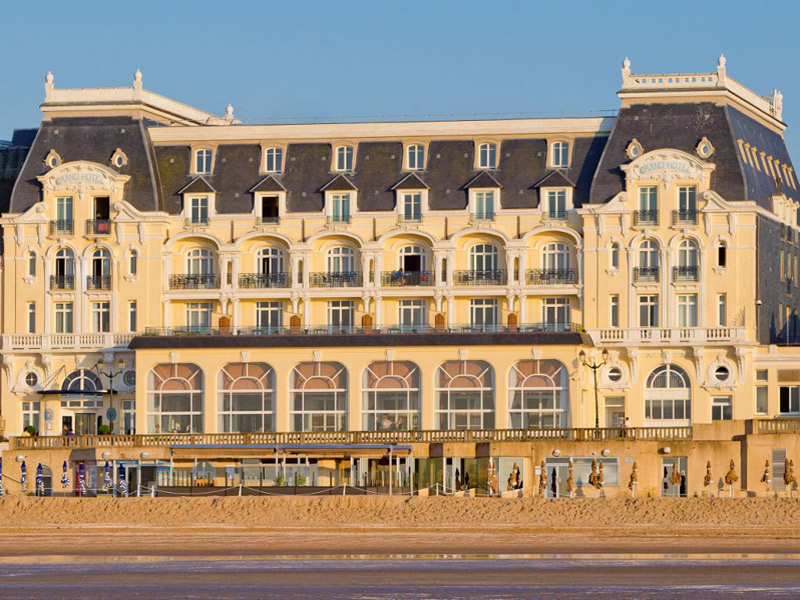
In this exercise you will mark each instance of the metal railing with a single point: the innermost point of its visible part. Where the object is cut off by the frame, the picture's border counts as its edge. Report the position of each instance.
(62, 227)
(686, 273)
(482, 216)
(551, 276)
(350, 437)
(264, 220)
(62, 282)
(555, 215)
(98, 282)
(684, 217)
(263, 280)
(406, 278)
(194, 282)
(645, 217)
(335, 279)
(646, 274)
(496, 277)
(98, 227)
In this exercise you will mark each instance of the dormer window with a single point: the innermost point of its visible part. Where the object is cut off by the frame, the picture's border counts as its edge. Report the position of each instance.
(559, 155)
(273, 160)
(487, 156)
(344, 158)
(202, 161)
(556, 205)
(198, 210)
(340, 208)
(415, 157)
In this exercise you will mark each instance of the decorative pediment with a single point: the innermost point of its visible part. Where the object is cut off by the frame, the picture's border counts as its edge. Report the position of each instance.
(554, 179)
(340, 183)
(198, 185)
(268, 184)
(412, 181)
(81, 178)
(666, 166)
(483, 180)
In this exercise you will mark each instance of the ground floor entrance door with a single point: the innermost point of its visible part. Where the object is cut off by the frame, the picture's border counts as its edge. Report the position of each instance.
(673, 481)
(557, 475)
(615, 411)
(86, 423)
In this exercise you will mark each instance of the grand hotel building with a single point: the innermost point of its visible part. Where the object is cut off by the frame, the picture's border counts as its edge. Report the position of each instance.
(304, 300)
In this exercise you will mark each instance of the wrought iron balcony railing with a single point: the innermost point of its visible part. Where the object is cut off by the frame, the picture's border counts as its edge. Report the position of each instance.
(98, 282)
(645, 217)
(551, 276)
(265, 220)
(646, 274)
(688, 273)
(194, 282)
(335, 279)
(263, 280)
(62, 282)
(495, 277)
(684, 217)
(62, 227)
(98, 227)
(555, 215)
(406, 278)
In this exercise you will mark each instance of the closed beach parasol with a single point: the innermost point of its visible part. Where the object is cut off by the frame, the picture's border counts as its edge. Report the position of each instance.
(107, 483)
(571, 479)
(23, 480)
(593, 477)
(64, 476)
(40, 480)
(123, 485)
(708, 479)
(1, 478)
(543, 479)
(788, 475)
(675, 477)
(601, 479)
(765, 478)
(731, 477)
(81, 480)
(634, 480)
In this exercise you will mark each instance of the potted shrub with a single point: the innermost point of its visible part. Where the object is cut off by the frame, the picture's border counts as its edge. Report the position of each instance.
(281, 481)
(104, 430)
(31, 430)
(300, 480)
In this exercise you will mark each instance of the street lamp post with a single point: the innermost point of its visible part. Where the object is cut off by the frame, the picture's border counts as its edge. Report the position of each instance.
(111, 375)
(594, 366)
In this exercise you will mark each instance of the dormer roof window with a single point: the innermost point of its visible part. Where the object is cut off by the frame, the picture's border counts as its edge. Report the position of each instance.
(487, 155)
(344, 159)
(202, 161)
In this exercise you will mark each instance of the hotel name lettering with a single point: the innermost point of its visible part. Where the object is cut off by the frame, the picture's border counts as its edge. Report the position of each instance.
(81, 177)
(678, 166)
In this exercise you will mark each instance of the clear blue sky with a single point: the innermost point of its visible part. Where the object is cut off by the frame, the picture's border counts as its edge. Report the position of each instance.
(324, 60)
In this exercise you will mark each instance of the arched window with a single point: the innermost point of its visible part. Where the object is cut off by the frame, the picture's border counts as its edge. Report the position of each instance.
(82, 380)
(175, 399)
(465, 395)
(560, 154)
(483, 257)
(344, 158)
(31, 264)
(722, 254)
(613, 259)
(64, 273)
(200, 261)
(687, 254)
(246, 398)
(273, 160)
(133, 262)
(648, 255)
(487, 156)
(412, 259)
(555, 257)
(341, 259)
(391, 396)
(416, 157)
(539, 395)
(202, 161)
(101, 263)
(667, 396)
(269, 261)
(319, 397)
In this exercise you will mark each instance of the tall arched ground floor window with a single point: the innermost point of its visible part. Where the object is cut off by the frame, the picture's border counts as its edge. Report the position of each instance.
(667, 397)
(538, 395)
(175, 399)
(391, 396)
(465, 395)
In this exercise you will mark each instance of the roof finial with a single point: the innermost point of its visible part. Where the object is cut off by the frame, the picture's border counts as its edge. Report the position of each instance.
(722, 60)
(137, 77)
(626, 64)
(626, 71)
(48, 85)
(229, 113)
(722, 71)
(49, 78)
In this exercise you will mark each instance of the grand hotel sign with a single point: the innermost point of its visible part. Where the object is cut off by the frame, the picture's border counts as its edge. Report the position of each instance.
(82, 179)
(666, 166)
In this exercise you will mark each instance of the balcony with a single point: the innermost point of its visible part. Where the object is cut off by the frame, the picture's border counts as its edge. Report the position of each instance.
(555, 215)
(336, 279)
(98, 227)
(663, 335)
(194, 282)
(263, 280)
(62, 282)
(65, 341)
(479, 277)
(645, 218)
(407, 278)
(551, 276)
(481, 217)
(98, 282)
(62, 227)
(682, 218)
(689, 273)
(646, 274)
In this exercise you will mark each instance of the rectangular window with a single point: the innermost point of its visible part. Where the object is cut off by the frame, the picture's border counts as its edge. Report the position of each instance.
(487, 156)
(790, 399)
(133, 264)
(722, 408)
(484, 206)
(412, 207)
(64, 209)
(648, 311)
(722, 310)
(31, 264)
(556, 313)
(273, 159)
(648, 199)
(30, 414)
(101, 317)
(761, 375)
(132, 316)
(412, 314)
(762, 395)
(199, 210)
(344, 158)
(340, 208)
(687, 199)
(198, 316)
(63, 317)
(202, 162)
(557, 204)
(416, 157)
(614, 311)
(269, 316)
(561, 154)
(722, 255)
(341, 315)
(31, 317)
(687, 310)
(484, 313)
